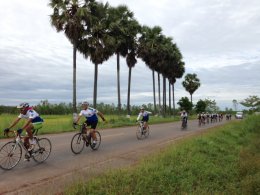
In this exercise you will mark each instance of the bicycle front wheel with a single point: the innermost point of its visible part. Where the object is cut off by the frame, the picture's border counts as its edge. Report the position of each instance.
(139, 132)
(42, 150)
(10, 155)
(146, 132)
(95, 146)
(77, 143)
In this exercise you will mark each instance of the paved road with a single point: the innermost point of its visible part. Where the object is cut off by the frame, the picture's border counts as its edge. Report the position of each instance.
(119, 148)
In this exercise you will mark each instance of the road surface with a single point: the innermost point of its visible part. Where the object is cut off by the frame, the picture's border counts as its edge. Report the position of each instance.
(119, 148)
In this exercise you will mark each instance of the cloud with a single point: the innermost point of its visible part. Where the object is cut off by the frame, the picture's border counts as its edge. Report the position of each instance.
(219, 41)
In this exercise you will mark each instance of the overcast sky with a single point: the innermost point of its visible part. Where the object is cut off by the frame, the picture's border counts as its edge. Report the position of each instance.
(219, 40)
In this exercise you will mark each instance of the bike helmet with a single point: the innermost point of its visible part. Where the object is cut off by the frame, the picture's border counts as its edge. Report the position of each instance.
(23, 105)
(85, 103)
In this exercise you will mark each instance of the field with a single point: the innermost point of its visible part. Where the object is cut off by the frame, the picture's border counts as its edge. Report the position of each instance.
(226, 160)
(63, 123)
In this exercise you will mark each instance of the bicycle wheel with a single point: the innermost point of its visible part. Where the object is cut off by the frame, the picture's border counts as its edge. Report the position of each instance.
(146, 132)
(42, 150)
(10, 155)
(98, 141)
(77, 143)
(139, 133)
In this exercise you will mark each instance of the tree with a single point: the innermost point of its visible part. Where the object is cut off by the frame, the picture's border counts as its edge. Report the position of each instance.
(133, 30)
(191, 84)
(185, 104)
(235, 104)
(200, 106)
(253, 102)
(120, 18)
(211, 105)
(96, 42)
(148, 48)
(67, 16)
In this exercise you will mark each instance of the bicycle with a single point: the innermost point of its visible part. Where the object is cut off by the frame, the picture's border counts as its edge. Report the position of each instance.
(184, 123)
(79, 140)
(11, 152)
(142, 133)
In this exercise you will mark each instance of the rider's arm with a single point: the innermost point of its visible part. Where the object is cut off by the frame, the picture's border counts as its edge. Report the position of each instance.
(138, 117)
(101, 115)
(14, 123)
(27, 124)
(78, 119)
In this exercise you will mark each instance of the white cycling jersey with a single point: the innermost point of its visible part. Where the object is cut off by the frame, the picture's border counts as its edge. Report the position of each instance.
(90, 114)
(30, 114)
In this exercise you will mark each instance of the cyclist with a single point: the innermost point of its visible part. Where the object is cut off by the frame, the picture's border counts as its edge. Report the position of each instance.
(34, 121)
(145, 117)
(91, 119)
(184, 118)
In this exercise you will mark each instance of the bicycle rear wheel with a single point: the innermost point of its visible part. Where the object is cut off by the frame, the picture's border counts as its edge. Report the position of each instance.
(42, 150)
(77, 143)
(98, 141)
(10, 155)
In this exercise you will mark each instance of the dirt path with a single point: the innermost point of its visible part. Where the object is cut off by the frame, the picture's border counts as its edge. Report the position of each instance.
(119, 148)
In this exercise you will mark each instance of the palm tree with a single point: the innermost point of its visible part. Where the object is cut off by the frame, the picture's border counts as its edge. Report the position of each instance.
(147, 50)
(67, 16)
(131, 61)
(191, 83)
(96, 41)
(120, 18)
(133, 29)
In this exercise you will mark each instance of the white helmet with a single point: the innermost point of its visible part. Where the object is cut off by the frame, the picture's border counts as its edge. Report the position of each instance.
(23, 105)
(85, 103)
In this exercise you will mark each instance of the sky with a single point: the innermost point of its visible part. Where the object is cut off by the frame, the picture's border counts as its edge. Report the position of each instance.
(219, 40)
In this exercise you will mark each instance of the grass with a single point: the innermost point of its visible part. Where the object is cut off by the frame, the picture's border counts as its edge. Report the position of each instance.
(63, 123)
(225, 160)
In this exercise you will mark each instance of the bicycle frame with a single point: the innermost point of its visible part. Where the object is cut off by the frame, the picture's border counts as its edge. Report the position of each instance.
(141, 133)
(78, 141)
(14, 149)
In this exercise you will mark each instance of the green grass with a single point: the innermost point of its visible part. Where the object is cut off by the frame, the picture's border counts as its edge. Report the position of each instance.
(63, 123)
(225, 160)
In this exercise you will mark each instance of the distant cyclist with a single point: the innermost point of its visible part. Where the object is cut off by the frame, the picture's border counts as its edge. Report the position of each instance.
(91, 119)
(144, 116)
(184, 118)
(34, 121)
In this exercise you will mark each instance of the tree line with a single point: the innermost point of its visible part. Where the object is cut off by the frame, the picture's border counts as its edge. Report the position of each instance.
(47, 108)
(98, 31)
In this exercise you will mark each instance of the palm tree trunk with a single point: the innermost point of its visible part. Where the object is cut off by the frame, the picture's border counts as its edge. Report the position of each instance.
(118, 83)
(191, 99)
(128, 92)
(164, 96)
(170, 106)
(95, 86)
(74, 104)
(159, 92)
(154, 98)
(173, 100)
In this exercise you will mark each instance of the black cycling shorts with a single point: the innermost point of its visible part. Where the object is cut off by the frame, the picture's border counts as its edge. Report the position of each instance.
(92, 125)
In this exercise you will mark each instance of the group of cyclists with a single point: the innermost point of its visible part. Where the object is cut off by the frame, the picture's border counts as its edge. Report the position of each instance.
(34, 121)
(206, 118)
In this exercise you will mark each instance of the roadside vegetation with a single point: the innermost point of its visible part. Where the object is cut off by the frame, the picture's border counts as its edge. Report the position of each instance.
(63, 123)
(225, 160)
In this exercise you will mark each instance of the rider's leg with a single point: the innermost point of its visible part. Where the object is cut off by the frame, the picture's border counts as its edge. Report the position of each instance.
(92, 131)
(93, 134)
(145, 125)
(29, 138)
